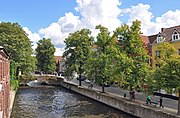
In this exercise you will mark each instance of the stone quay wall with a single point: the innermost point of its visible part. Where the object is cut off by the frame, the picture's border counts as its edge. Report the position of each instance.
(114, 101)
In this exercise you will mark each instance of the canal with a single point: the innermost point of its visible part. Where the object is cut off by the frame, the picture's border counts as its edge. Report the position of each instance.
(57, 102)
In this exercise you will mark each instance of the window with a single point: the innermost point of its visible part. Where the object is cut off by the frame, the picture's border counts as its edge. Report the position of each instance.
(175, 36)
(157, 54)
(159, 38)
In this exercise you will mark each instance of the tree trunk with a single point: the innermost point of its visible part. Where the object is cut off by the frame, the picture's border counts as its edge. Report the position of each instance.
(80, 73)
(103, 88)
(79, 82)
(80, 78)
(179, 103)
(130, 92)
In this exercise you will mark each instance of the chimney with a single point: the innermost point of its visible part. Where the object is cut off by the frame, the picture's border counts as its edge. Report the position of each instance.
(162, 29)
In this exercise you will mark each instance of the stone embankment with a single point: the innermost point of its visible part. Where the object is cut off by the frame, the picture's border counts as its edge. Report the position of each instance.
(115, 101)
(118, 102)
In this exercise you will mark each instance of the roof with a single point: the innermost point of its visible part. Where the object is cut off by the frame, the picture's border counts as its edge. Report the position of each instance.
(147, 43)
(58, 58)
(152, 38)
(3, 49)
(165, 33)
(144, 39)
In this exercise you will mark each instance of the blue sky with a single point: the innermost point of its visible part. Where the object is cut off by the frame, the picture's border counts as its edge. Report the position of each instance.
(36, 14)
(55, 19)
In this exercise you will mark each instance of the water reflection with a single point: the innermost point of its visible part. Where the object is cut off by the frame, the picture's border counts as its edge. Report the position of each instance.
(57, 102)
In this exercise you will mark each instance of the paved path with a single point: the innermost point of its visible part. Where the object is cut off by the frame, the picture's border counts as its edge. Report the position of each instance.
(12, 96)
(170, 106)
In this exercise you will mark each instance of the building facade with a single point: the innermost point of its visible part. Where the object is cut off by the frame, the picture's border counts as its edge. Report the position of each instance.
(4, 83)
(170, 35)
(59, 64)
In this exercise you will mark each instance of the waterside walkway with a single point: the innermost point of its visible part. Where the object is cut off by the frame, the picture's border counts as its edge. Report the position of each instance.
(170, 106)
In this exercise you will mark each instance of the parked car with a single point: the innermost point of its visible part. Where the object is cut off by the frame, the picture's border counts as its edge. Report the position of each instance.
(87, 81)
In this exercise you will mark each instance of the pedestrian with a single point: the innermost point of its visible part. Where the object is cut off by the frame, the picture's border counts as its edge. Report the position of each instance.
(148, 99)
(91, 85)
(160, 102)
(133, 95)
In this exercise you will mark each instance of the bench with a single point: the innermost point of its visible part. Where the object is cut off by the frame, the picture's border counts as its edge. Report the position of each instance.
(155, 103)
(152, 102)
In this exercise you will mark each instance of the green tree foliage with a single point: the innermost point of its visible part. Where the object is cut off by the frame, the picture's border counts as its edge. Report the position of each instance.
(14, 39)
(100, 66)
(122, 66)
(166, 51)
(167, 74)
(77, 51)
(45, 56)
(130, 43)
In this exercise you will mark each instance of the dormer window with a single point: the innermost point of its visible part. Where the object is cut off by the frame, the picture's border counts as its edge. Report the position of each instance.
(175, 36)
(159, 38)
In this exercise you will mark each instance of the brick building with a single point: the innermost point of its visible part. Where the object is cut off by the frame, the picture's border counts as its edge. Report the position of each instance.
(4, 83)
(59, 64)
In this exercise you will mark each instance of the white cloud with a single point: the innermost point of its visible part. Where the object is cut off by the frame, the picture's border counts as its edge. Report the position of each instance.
(59, 51)
(95, 12)
(170, 18)
(142, 13)
(57, 32)
(34, 37)
(106, 13)
(92, 13)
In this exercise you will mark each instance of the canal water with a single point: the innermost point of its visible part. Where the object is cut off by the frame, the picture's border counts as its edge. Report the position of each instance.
(58, 102)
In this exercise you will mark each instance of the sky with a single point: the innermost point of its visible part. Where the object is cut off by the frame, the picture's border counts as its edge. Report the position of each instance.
(55, 19)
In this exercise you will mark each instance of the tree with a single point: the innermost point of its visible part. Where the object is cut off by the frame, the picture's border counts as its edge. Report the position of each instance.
(130, 43)
(77, 50)
(45, 56)
(167, 74)
(122, 68)
(167, 52)
(100, 66)
(14, 39)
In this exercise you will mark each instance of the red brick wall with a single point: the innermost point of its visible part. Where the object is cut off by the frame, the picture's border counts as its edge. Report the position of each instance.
(5, 82)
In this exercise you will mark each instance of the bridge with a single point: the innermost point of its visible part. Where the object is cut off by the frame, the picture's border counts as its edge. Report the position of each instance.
(45, 78)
